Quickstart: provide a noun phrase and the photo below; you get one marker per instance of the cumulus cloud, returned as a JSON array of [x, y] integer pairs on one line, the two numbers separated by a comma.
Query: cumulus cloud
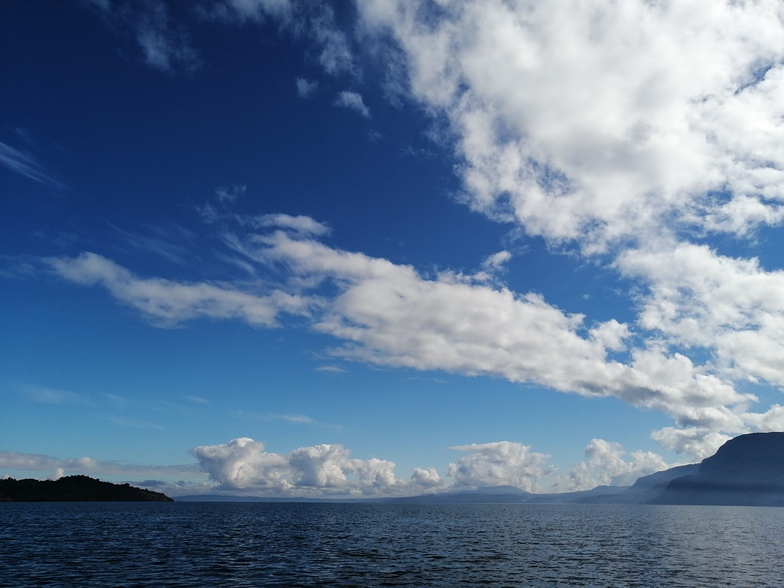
[[243, 466], [598, 122], [604, 465], [321, 470], [352, 101], [503, 463], [701, 442], [729, 306], [624, 130]]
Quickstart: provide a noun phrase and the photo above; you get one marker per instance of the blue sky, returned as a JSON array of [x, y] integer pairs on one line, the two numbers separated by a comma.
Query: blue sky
[[386, 248]]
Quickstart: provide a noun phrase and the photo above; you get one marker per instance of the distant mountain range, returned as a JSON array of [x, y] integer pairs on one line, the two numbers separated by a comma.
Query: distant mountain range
[[746, 471]]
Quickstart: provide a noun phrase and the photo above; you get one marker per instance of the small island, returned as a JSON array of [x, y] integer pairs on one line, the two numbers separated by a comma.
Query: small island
[[74, 489]]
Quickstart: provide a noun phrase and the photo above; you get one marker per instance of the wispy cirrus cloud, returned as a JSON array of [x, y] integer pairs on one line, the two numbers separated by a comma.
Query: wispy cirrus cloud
[[168, 303], [27, 165], [165, 44], [46, 395], [172, 242], [315, 21], [332, 369], [294, 419], [11, 460]]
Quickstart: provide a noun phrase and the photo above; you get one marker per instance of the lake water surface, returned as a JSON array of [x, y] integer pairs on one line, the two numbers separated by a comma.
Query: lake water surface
[[365, 545]]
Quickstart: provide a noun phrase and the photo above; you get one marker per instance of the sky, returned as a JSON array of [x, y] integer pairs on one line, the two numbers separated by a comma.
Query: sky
[[388, 247]]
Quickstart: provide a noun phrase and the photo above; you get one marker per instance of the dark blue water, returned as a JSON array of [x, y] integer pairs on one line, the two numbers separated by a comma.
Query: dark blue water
[[262, 544]]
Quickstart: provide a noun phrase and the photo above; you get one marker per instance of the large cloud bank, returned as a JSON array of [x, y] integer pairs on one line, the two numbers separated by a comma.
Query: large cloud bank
[[391, 315], [626, 132], [598, 121], [328, 470], [243, 466]]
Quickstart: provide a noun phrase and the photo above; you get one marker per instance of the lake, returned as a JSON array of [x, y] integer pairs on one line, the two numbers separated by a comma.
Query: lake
[[364, 545]]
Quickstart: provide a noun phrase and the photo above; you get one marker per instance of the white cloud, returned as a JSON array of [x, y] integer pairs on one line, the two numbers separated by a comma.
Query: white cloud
[[496, 261], [604, 465], [45, 395], [335, 56], [426, 478], [167, 302], [242, 466], [241, 463], [253, 10], [701, 442], [595, 122], [302, 225], [33, 462], [625, 125], [318, 471], [299, 419], [502, 463], [732, 307], [227, 196], [160, 240], [314, 20], [164, 45], [25, 164], [619, 128], [306, 87], [352, 101], [331, 369], [390, 315]]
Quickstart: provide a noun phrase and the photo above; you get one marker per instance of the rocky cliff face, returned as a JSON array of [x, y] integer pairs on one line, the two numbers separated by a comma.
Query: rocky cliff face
[[745, 471]]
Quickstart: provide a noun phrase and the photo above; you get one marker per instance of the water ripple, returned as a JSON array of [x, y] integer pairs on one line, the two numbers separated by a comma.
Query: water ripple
[[307, 545]]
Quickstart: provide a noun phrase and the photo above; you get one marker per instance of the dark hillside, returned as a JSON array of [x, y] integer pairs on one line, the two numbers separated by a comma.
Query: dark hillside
[[746, 471], [73, 488]]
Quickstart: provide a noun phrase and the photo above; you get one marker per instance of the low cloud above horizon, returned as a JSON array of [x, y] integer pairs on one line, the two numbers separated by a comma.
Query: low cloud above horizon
[[242, 467]]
